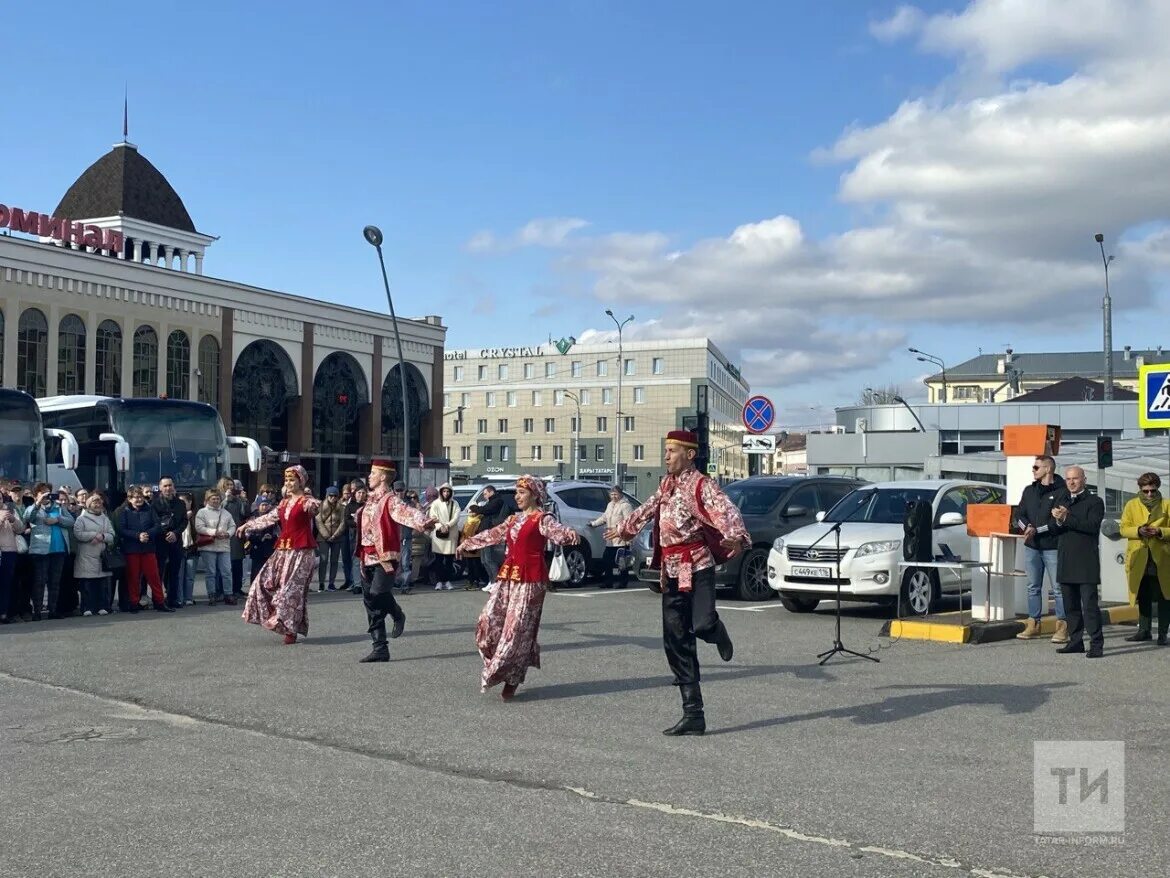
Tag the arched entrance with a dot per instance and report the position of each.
(340, 395)
(263, 384)
(418, 407)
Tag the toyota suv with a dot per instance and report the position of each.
(576, 504)
(771, 506)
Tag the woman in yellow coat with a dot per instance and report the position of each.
(1145, 523)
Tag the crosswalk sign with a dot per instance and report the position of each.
(1154, 396)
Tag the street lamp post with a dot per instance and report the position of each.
(924, 357)
(373, 236)
(577, 432)
(617, 449)
(1107, 317)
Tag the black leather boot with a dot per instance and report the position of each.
(723, 643)
(381, 650)
(399, 624)
(693, 721)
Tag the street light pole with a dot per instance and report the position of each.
(924, 357)
(576, 432)
(617, 449)
(1107, 317)
(373, 236)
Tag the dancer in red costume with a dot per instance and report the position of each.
(280, 592)
(508, 626)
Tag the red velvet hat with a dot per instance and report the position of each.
(383, 464)
(685, 438)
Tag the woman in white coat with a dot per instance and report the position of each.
(93, 534)
(445, 510)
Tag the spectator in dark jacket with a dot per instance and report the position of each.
(235, 503)
(1034, 520)
(262, 543)
(172, 517)
(1078, 517)
(139, 527)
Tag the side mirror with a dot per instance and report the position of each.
(949, 519)
(252, 452)
(69, 449)
(795, 512)
(821, 515)
(121, 450)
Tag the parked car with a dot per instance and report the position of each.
(575, 503)
(771, 506)
(802, 566)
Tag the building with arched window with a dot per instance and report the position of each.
(107, 295)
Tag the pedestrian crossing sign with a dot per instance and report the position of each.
(1154, 396)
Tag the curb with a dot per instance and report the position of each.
(951, 627)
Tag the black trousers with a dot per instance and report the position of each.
(170, 568)
(1149, 593)
(1082, 612)
(686, 618)
(608, 563)
(378, 598)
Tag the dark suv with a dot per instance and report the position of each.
(771, 507)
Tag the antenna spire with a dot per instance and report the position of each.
(126, 114)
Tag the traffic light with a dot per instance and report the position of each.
(1104, 452)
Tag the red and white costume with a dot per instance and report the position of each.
(278, 599)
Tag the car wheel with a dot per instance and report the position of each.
(578, 562)
(919, 592)
(753, 577)
(798, 604)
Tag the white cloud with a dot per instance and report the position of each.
(548, 232)
(905, 21)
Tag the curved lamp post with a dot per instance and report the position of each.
(924, 357)
(1107, 318)
(576, 433)
(617, 449)
(373, 236)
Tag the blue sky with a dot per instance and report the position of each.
(532, 164)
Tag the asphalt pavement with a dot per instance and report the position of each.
(193, 744)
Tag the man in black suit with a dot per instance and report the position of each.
(1078, 515)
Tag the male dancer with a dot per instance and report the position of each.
(379, 554)
(685, 501)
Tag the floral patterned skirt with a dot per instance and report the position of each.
(279, 595)
(506, 632)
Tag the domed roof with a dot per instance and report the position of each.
(122, 182)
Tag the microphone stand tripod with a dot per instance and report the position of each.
(838, 646)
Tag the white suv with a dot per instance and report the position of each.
(802, 565)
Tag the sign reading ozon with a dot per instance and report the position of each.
(60, 229)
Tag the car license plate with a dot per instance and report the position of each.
(813, 572)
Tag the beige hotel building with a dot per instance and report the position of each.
(536, 410)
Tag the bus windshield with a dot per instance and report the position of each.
(22, 446)
(186, 443)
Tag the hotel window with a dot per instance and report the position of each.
(145, 362)
(482, 373)
(465, 400)
(446, 400)
(490, 399)
(178, 365)
(628, 367)
(529, 370)
(599, 452)
(458, 373)
(502, 371)
(550, 370)
(628, 425)
(536, 397)
(639, 452)
(550, 425)
(639, 395)
(487, 454)
(575, 368)
(582, 452)
(558, 452)
(558, 397)
(536, 452)
(607, 396)
(502, 425)
(108, 361)
(447, 451)
(602, 368)
(208, 381)
(457, 425)
(603, 425)
(659, 366)
(511, 399)
(528, 425)
(573, 424)
(32, 352)
(481, 425)
(465, 452)
(584, 396)
(505, 454)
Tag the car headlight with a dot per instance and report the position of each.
(879, 548)
(778, 544)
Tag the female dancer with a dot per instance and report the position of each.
(507, 627)
(278, 594)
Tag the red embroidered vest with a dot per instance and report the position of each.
(296, 527)
(524, 561)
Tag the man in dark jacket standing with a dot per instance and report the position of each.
(168, 547)
(1078, 515)
(1034, 520)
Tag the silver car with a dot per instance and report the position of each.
(575, 503)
